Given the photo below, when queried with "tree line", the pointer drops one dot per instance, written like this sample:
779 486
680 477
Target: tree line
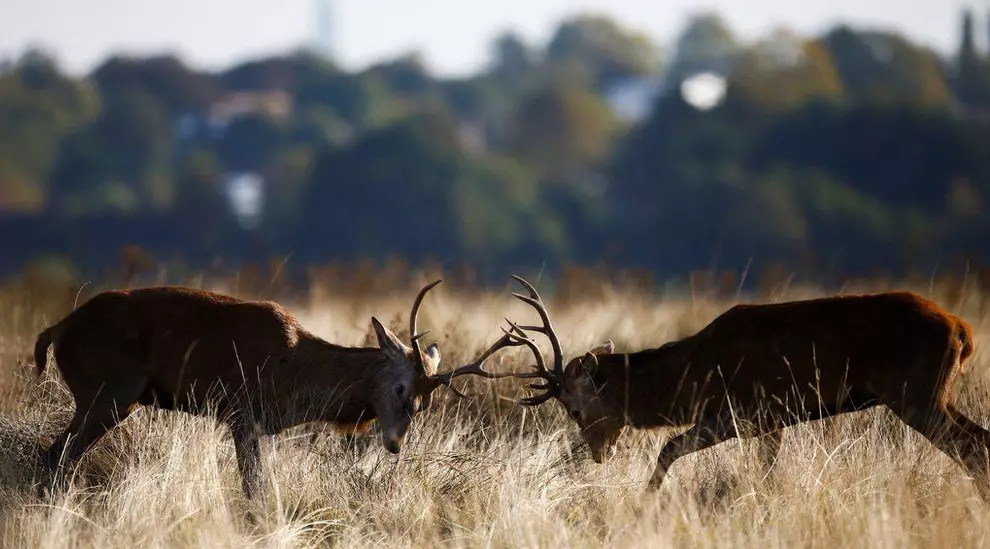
851 152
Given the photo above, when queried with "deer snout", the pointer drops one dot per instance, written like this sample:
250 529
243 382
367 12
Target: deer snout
392 441
603 453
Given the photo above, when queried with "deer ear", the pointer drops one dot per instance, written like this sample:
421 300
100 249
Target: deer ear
606 348
431 360
388 341
589 364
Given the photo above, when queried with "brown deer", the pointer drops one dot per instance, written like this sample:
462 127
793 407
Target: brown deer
251 363
768 367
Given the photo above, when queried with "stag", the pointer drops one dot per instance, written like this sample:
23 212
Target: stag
767 367
250 363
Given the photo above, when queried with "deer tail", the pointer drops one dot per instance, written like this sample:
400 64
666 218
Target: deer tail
45 339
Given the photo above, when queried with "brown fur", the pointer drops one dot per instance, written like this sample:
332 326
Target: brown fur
250 362
765 367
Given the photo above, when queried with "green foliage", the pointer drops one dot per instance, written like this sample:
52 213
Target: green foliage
607 52
841 146
885 68
250 143
512 59
561 131
39 107
784 73
173 86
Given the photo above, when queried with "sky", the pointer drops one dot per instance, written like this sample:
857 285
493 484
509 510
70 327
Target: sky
454 36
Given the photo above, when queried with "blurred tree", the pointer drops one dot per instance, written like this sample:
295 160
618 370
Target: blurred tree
472 99
839 146
562 131
785 72
388 191
165 78
250 143
285 73
201 205
499 213
358 99
972 75
511 57
287 179
122 162
405 76
603 50
38 107
901 156
136 130
83 181
318 126
884 68
706 44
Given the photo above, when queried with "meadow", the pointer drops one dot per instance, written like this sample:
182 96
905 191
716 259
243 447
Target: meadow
483 472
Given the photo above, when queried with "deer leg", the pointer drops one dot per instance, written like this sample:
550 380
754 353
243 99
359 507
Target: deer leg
53 457
93 418
706 433
248 450
958 437
972 443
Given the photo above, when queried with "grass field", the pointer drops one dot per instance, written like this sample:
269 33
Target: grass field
482 472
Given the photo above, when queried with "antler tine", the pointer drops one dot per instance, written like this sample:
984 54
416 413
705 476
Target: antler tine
521 338
534 300
414 336
552 381
536 400
475 366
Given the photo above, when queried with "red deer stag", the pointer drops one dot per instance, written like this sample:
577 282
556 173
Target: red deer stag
259 370
772 366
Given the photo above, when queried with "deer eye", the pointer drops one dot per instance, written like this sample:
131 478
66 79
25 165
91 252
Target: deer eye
576 415
400 390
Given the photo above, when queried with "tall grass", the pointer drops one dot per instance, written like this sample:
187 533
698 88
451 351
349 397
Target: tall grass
482 472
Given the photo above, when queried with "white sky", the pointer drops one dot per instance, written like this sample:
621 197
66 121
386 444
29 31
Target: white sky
453 35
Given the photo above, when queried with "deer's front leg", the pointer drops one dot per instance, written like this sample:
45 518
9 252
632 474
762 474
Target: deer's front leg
706 433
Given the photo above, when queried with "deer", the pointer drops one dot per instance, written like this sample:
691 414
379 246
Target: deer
251 364
767 367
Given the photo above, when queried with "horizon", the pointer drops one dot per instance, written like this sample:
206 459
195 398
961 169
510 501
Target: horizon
216 38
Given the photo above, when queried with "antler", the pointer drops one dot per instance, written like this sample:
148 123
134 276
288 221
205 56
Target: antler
514 337
475 366
554 378
414 336
536 302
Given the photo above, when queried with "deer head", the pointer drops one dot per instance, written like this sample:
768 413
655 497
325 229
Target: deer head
406 383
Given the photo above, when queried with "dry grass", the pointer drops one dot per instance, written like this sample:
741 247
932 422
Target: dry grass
482 472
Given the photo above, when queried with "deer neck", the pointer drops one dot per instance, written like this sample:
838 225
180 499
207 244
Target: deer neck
328 382
649 385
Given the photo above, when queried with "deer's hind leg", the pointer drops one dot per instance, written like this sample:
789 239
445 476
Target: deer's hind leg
104 395
92 419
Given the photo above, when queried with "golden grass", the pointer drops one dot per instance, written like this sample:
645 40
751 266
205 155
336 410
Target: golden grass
482 472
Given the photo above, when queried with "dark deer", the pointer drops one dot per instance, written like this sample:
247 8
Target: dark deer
251 363
768 367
